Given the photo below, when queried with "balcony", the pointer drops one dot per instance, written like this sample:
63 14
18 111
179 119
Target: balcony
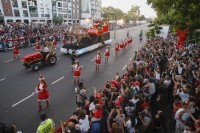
33 15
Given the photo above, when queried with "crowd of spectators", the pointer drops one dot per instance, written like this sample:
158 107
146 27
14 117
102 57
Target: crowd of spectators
161 81
27 35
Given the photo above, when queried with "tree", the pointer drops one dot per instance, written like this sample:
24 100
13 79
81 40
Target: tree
142 18
134 13
112 13
183 14
57 20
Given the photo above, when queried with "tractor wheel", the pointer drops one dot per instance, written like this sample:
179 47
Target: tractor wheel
35 67
52 59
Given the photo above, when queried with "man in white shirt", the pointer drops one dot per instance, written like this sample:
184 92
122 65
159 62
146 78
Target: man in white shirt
46 49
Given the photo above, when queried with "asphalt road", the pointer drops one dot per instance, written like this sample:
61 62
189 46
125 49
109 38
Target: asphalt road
18 83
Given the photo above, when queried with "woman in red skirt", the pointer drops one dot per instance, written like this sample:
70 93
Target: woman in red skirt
37 46
116 49
15 52
107 54
77 72
43 94
64 40
121 45
98 60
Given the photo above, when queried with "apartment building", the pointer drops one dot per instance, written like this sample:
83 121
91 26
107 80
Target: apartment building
40 10
90 10
68 9
96 8
15 11
28 11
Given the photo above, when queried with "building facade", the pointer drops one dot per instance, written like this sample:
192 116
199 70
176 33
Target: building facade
68 9
15 11
42 11
90 10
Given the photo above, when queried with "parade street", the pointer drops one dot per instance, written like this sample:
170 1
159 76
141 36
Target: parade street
18 101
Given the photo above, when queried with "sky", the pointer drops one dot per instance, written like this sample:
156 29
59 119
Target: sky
125 6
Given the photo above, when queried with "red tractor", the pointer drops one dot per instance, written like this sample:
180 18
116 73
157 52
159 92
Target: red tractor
35 60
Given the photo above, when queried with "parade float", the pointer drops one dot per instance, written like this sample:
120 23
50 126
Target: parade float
97 36
35 60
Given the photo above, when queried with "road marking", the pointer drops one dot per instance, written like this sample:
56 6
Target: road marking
93 59
58 58
10 60
124 67
33 93
112 49
130 59
81 66
57 80
2 79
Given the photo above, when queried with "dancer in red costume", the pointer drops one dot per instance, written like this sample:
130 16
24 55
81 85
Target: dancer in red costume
107 54
98 60
121 45
55 43
16 52
37 46
43 94
64 40
77 72
116 49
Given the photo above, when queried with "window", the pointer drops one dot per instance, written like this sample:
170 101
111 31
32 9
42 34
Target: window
64 5
42 10
7 11
59 10
69 11
41 3
24 4
65 15
59 4
42 15
16 12
25 13
60 15
14 4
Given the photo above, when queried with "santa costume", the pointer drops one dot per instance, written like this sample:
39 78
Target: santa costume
116 48
107 54
16 52
64 40
77 72
43 94
37 46
98 60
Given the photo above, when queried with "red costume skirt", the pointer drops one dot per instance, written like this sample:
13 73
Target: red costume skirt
121 46
107 54
37 47
77 74
43 95
16 52
98 61
116 49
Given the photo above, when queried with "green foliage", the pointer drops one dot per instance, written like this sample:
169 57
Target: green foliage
116 14
57 20
183 14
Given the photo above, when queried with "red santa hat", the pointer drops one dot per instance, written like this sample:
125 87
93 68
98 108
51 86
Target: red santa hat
41 78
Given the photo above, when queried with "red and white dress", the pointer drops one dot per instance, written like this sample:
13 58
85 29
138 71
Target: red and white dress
43 93
64 40
121 45
107 53
15 51
98 59
37 46
55 42
77 70
117 48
